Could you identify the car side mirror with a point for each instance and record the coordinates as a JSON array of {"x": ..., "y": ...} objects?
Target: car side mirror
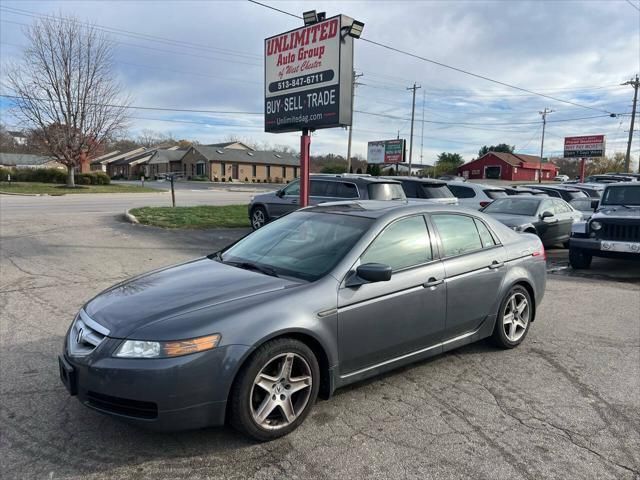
[
  {"x": 546, "y": 214},
  {"x": 280, "y": 193},
  {"x": 594, "y": 204},
  {"x": 369, "y": 273}
]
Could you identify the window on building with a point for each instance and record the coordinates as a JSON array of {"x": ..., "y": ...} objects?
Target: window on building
[
  {"x": 402, "y": 244},
  {"x": 254, "y": 170},
  {"x": 284, "y": 172},
  {"x": 268, "y": 171},
  {"x": 295, "y": 172},
  {"x": 458, "y": 234}
]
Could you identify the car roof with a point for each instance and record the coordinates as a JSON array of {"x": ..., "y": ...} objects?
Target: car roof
[
  {"x": 406, "y": 178},
  {"x": 556, "y": 187},
  {"x": 355, "y": 178},
  {"x": 623, "y": 185},
  {"x": 481, "y": 186},
  {"x": 380, "y": 208}
]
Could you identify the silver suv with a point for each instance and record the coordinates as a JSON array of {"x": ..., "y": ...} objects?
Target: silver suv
[{"x": 322, "y": 188}]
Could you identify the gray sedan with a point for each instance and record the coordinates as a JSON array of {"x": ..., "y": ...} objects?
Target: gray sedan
[
  {"x": 549, "y": 218},
  {"x": 319, "y": 299}
]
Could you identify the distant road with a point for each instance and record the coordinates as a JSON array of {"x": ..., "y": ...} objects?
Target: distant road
[
  {"x": 187, "y": 185},
  {"x": 12, "y": 206}
]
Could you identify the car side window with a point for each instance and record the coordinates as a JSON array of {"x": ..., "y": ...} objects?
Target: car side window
[
  {"x": 547, "y": 206},
  {"x": 462, "y": 192},
  {"x": 318, "y": 188},
  {"x": 410, "y": 189},
  {"x": 561, "y": 206},
  {"x": 402, "y": 244},
  {"x": 458, "y": 234},
  {"x": 293, "y": 189},
  {"x": 347, "y": 190},
  {"x": 485, "y": 235}
]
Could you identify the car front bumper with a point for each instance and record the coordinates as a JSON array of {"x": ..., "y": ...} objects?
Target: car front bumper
[
  {"x": 606, "y": 248},
  {"x": 178, "y": 393}
]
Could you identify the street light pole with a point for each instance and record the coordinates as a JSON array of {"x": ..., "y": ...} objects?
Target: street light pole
[{"x": 544, "y": 124}]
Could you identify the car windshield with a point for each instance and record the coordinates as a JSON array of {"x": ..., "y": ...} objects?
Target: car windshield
[
  {"x": 493, "y": 194},
  {"x": 582, "y": 204},
  {"x": 627, "y": 195},
  {"x": 514, "y": 206},
  {"x": 436, "y": 190},
  {"x": 304, "y": 245},
  {"x": 386, "y": 191}
]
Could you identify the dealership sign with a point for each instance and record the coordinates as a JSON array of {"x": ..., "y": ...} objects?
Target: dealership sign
[
  {"x": 308, "y": 76},
  {"x": 589, "y": 146},
  {"x": 386, "y": 151}
]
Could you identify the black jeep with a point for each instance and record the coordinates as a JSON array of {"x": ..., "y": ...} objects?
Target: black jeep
[{"x": 612, "y": 231}]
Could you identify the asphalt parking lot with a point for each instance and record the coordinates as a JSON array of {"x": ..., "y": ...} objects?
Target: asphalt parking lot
[{"x": 564, "y": 405}]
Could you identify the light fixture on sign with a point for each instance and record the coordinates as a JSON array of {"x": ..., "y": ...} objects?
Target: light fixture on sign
[
  {"x": 356, "y": 29},
  {"x": 310, "y": 17}
]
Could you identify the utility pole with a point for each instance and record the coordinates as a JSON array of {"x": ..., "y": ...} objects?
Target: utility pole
[
  {"x": 353, "y": 91},
  {"x": 422, "y": 134},
  {"x": 544, "y": 114},
  {"x": 413, "y": 113},
  {"x": 627, "y": 158}
]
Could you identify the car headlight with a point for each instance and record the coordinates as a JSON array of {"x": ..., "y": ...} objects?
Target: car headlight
[
  {"x": 517, "y": 228},
  {"x": 595, "y": 225},
  {"x": 149, "y": 349}
]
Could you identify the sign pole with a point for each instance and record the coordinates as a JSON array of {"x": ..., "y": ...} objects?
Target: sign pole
[
  {"x": 583, "y": 163},
  {"x": 305, "y": 144}
]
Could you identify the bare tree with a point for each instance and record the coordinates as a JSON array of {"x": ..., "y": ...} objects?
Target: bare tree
[{"x": 66, "y": 91}]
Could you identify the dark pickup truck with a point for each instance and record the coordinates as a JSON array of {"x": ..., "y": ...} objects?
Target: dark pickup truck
[{"x": 612, "y": 231}]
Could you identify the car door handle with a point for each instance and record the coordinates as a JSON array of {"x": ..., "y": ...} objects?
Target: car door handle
[
  {"x": 432, "y": 282},
  {"x": 495, "y": 264},
  {"x": 294, "y": 202}
]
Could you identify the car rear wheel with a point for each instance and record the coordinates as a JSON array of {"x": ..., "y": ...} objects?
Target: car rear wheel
[
  {"x": 579, "y": 259},
  {"x": 514, "y": 318},
  {"x": 259, "y": 217},
  {"x": 275, "y": 390}
]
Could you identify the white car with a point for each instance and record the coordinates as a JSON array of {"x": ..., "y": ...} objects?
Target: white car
[
  {"x": 561, "y": 178},
  {"x": 475, "y": 195}
]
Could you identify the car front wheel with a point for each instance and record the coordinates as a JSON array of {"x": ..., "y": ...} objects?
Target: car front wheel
[
  {"x": 579, "y": 259},
  {"x": 258, "y": 217},
  {"x": 275, "y": 390},
  {"x": 514, "y": 318}
]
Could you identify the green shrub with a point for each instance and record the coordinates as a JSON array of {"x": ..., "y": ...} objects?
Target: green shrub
[
  {"x": 246, "y": 179},
  {"x": 92, "y": 178},
  {"x": 41, "y": 175},
  {"x": 230, "y": 179},
  {"x": 224, "y": 179}
]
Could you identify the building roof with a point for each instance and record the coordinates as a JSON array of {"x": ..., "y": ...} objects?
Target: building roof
[
  {"x": 17, "y": 159},
  {"x": 233, "y": 145},
  {"x": 109, "y": 158},
  {"x": 517, "y": 160},
  {"x": 166, "y": 156},
  {"x": 218, "y": 154}
]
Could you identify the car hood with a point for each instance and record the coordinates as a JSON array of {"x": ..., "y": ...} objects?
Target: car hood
[
  {"x": 512, "y": 220},
  {"x": 174, "y": 291},
  {"x": 617, "y": 211}
]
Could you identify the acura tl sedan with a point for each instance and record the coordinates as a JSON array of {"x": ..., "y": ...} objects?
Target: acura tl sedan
[{"x": 321, "y": 298}]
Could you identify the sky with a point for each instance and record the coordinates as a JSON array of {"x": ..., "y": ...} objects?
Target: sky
[{"x": 208, "y": 55}]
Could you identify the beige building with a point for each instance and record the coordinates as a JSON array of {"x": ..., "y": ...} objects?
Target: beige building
[{"x": 240, "y": 164}]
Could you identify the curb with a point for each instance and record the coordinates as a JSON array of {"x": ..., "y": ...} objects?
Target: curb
[
  {"x": 26, "y": 194},
  {"x": 130, "y": 217}
]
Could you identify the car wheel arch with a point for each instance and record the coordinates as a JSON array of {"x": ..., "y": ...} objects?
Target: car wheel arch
[
  {"x": 529, "y": 288},
  {"x": 327, "y": 382}
]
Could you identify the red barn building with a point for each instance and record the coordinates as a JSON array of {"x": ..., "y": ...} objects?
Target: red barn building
[{"x": 507, "y": 166}]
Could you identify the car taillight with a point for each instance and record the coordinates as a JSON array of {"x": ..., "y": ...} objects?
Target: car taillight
[
  {"x": 484, "y": 204},
  {"x": 540, "y": 253}
]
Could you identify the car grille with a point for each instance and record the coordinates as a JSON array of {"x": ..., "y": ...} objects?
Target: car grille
[
  {"x": 85, "y": 335},
  {"x": 620, "y": 232},
  {"x": 122, "y": 406}
]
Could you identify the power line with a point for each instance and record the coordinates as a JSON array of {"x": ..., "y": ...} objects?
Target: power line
[
  {"x": 634, "y": 6},
  {"x": 135, "y": 107},
  {"x": 460, "y": 70}
]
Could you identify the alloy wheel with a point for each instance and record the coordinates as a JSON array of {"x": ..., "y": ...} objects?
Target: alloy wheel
[
  {"x": 516, "y": 316},
  {"x": 280, "y": 391},
  {"x": 258, "y": 219}
]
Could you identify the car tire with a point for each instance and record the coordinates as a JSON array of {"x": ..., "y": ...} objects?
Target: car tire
[
  {"x": 514, "y": 318},
  {"x": 263, "y": 403},
  {"x": 579, "y": 259},
  {"x": 259, "y": 217}
]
